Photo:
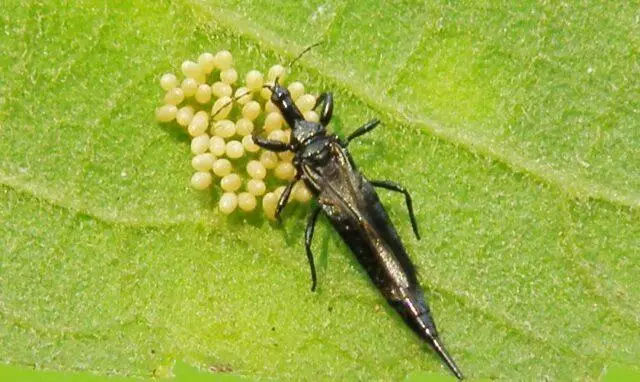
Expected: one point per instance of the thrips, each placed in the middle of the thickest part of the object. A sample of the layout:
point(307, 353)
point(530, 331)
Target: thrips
point(350, 202)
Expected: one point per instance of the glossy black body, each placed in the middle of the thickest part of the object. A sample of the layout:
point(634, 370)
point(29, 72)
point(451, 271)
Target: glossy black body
point(352, 205)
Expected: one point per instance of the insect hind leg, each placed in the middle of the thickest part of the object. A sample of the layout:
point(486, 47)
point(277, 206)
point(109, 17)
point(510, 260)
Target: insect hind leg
point(308, 237)
point(398, 188)
point(367, 127)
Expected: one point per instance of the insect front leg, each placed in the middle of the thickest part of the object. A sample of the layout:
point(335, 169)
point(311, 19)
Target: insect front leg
point(326, 99)
point(398, 188)
point(308, 237)
point(271, 145)
point(367, 127)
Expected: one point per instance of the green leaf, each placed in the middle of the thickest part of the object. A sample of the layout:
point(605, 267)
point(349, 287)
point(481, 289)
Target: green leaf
point(515, 126)
point(181, 371)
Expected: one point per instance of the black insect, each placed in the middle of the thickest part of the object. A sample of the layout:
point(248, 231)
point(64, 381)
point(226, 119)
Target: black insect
point(350, 202)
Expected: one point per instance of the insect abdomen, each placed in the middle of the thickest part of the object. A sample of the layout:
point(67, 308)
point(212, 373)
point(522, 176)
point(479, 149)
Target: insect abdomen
point(415, 312)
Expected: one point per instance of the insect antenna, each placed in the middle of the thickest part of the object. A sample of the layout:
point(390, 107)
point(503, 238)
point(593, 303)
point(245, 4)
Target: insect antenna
point(267, 86)
point(290, 64)
point(232, 100)
point(303, 53)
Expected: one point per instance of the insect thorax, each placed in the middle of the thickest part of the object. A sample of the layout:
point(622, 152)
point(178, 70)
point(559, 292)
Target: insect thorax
point(304, 130)
point(316, 150)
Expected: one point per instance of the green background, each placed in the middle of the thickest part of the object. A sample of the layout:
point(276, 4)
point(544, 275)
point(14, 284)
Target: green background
point(515, 126)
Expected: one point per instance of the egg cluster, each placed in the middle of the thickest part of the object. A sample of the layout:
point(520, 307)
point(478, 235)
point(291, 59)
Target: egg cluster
point(220, 113)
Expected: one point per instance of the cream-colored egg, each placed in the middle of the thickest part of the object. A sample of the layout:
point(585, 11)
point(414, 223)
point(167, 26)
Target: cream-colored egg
point(200, 144)
point(256, 187)
point(254, 80)
point(166, 113)
point(222, 167)
point(220, 89)
point(296, 89)
point(273, 121)
point(224, 128)
point(247, 201)
point(223, 60)
point(251, 110)
point(174, 96)
point(201, 180)
point(269, 204)
point(229, 76)
point(231, 182)
point(221, 108)
point(276, 71)
point(217, 146)
point(207, 62)
point(184, 115)
point(244, 127)
point(243, 95)
point(269, 159)
point(305, 102)
point(228, 203)
point(199, 123)
point(265, 91)
point(285, 171)
point(168, 81)
point(311, 115)
point(189, 87)
point(234, 149)
point(192, 70)
point(256, 170)
point(203, 93)
point(301, 193)
point(203, 162)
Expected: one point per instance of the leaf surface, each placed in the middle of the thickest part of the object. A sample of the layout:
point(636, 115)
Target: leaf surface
point(515, 127)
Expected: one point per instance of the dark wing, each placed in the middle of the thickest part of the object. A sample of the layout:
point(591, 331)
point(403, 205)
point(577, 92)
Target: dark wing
point(356, 212)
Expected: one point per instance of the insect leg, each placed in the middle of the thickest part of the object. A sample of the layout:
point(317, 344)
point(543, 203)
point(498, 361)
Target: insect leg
point(367, 127)
point(326, 99)
point(308, 237)
point(284, 198)
point(398, 188)
point(270, 145)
